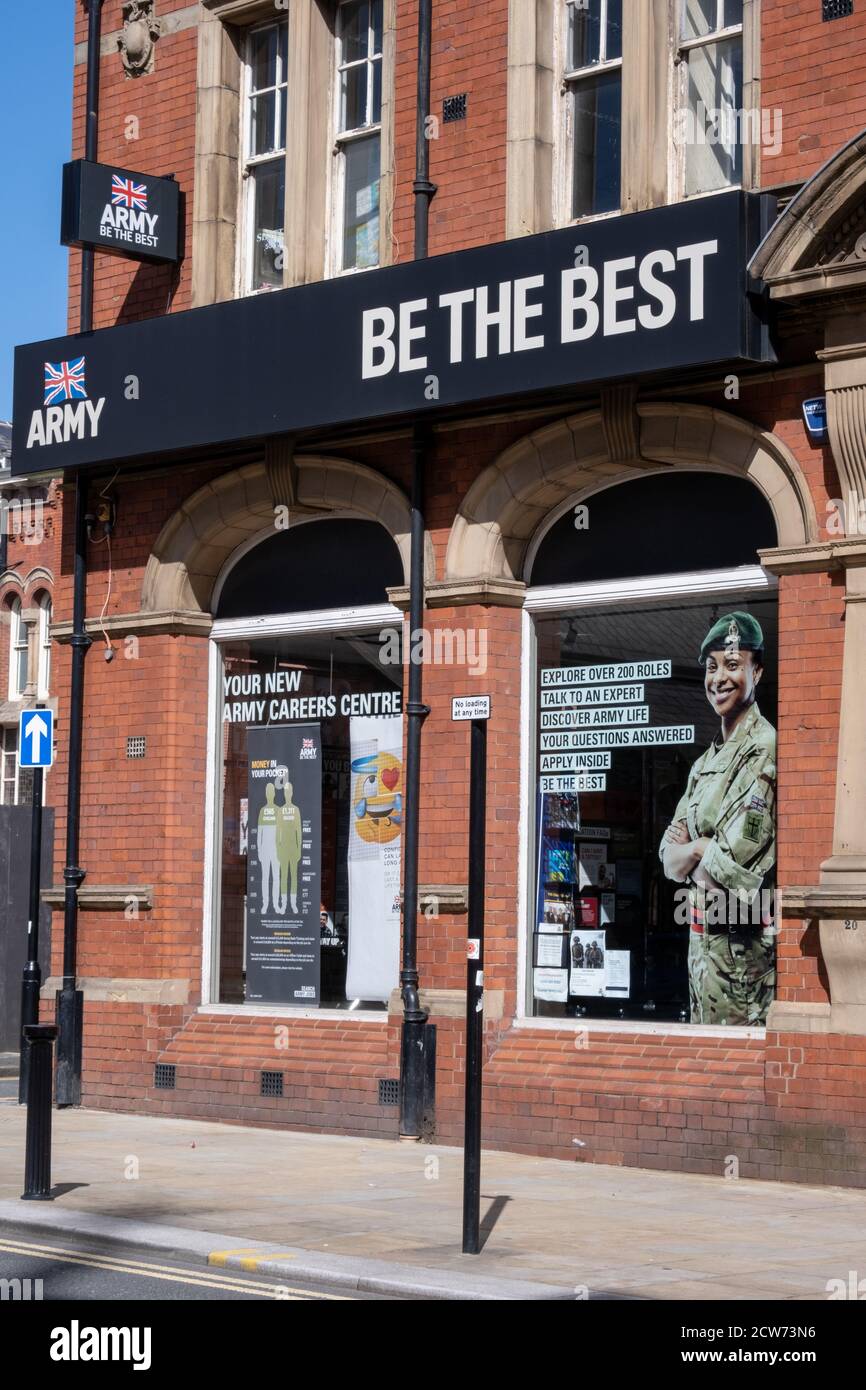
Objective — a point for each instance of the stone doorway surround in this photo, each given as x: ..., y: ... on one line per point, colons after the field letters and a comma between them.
x: 235, y: 508
x: 813, y: 262
x: 569, y: 461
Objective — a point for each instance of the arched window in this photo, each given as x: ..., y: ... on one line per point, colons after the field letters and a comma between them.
x: 648, y: 527
x: 43, y: 681
x: 17, y: 650
x: 335, y: 563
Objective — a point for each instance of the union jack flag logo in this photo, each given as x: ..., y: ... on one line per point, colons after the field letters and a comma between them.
x: 64, y: 381
x: 126, y: 194
x: 308, y: 743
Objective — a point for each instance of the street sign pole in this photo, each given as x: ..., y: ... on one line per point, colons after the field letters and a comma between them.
x: 477, y: 709
x: 31, y: 982
x: 35, y: 753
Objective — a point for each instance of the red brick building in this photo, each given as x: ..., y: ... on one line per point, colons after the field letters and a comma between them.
x: 694, y: 172
x: 29, y: 562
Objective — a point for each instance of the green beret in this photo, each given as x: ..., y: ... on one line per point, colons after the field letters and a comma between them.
x: 739, y: 631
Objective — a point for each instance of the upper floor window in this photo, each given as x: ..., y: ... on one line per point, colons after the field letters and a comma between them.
x: 359, y: 133
x: 44, y: 671
x: 264, y: 167
x: 626, y: 105
x: 17, y: 650
x: 711, y: 94
x: 593, y: 81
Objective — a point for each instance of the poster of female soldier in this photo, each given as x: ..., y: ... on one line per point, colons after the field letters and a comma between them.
x: 284, y: 799
x: 722, y: 839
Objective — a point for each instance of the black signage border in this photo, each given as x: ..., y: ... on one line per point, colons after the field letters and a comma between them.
x: 657, y: 291
x: 124, y: 213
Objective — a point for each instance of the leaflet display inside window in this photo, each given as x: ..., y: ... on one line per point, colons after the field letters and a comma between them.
x: 312, y: 807
x: 656, y: 813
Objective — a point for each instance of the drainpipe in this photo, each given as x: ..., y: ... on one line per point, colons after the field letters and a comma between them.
x: 412, y: 1050
x: 91, y: 139
x: 422, y: 187
x: 70, y: 1000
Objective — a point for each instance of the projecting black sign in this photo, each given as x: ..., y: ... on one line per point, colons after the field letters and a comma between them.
x: 624, y: 297
x: 115, y: 210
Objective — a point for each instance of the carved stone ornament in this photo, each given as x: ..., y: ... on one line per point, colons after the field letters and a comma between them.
x: 137, y: 41
x: 844, y: 239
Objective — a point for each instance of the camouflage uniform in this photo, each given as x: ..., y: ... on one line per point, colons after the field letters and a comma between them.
x: 730, y: 799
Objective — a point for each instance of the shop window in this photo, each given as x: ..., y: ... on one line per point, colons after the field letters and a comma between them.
x: 654, y: 770
x: 264, y: 169
x: 711, y: 94
x: 358, y: 132
x: 592, y: 82
x: 310, y: 802
x: 639, y: 741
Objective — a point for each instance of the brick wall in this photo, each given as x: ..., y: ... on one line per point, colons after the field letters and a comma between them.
x: 814, y: 73
x: 785, y: 1107
x: 467, y: 158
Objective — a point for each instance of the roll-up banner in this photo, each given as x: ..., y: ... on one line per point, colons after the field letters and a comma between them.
x: 284, y: 780
x: 375, y: 840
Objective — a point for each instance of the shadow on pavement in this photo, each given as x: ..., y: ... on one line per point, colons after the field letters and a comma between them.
x: 490, y: 1218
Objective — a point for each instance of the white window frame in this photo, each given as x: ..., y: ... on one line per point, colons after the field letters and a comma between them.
x: 348, y: 621
x: 9, y: 736
x: 18, y: 642
x: 43, y: 678
x: 569, y: 81
x: 547, y: 601
x: 683, y: 47
x: 249, y: 162
x: 342, y: 138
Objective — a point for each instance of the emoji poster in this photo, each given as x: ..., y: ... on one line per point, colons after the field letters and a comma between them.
x: 376, y: 807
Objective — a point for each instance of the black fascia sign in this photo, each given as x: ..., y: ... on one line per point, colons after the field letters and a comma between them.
x: 112, y: 209
x: 626, y: 297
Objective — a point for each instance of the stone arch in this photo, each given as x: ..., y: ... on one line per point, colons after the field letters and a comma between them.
x: 516, y: 496
x: 816, y: 252
x: 818, y: 243
x: 39, y: 576
x: 196, y: 542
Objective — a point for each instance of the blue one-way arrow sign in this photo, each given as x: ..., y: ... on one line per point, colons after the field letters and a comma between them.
x: 35, y: 738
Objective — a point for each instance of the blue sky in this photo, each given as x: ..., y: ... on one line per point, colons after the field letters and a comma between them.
x: 35, y: 141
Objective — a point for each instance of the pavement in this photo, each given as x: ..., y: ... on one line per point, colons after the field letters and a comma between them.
x: 379, y: 1217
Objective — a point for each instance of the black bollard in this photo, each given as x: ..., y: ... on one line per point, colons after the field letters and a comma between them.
x: 37, y: 1164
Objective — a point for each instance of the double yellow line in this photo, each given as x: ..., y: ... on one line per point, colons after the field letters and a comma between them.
x: 169, y: 1273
